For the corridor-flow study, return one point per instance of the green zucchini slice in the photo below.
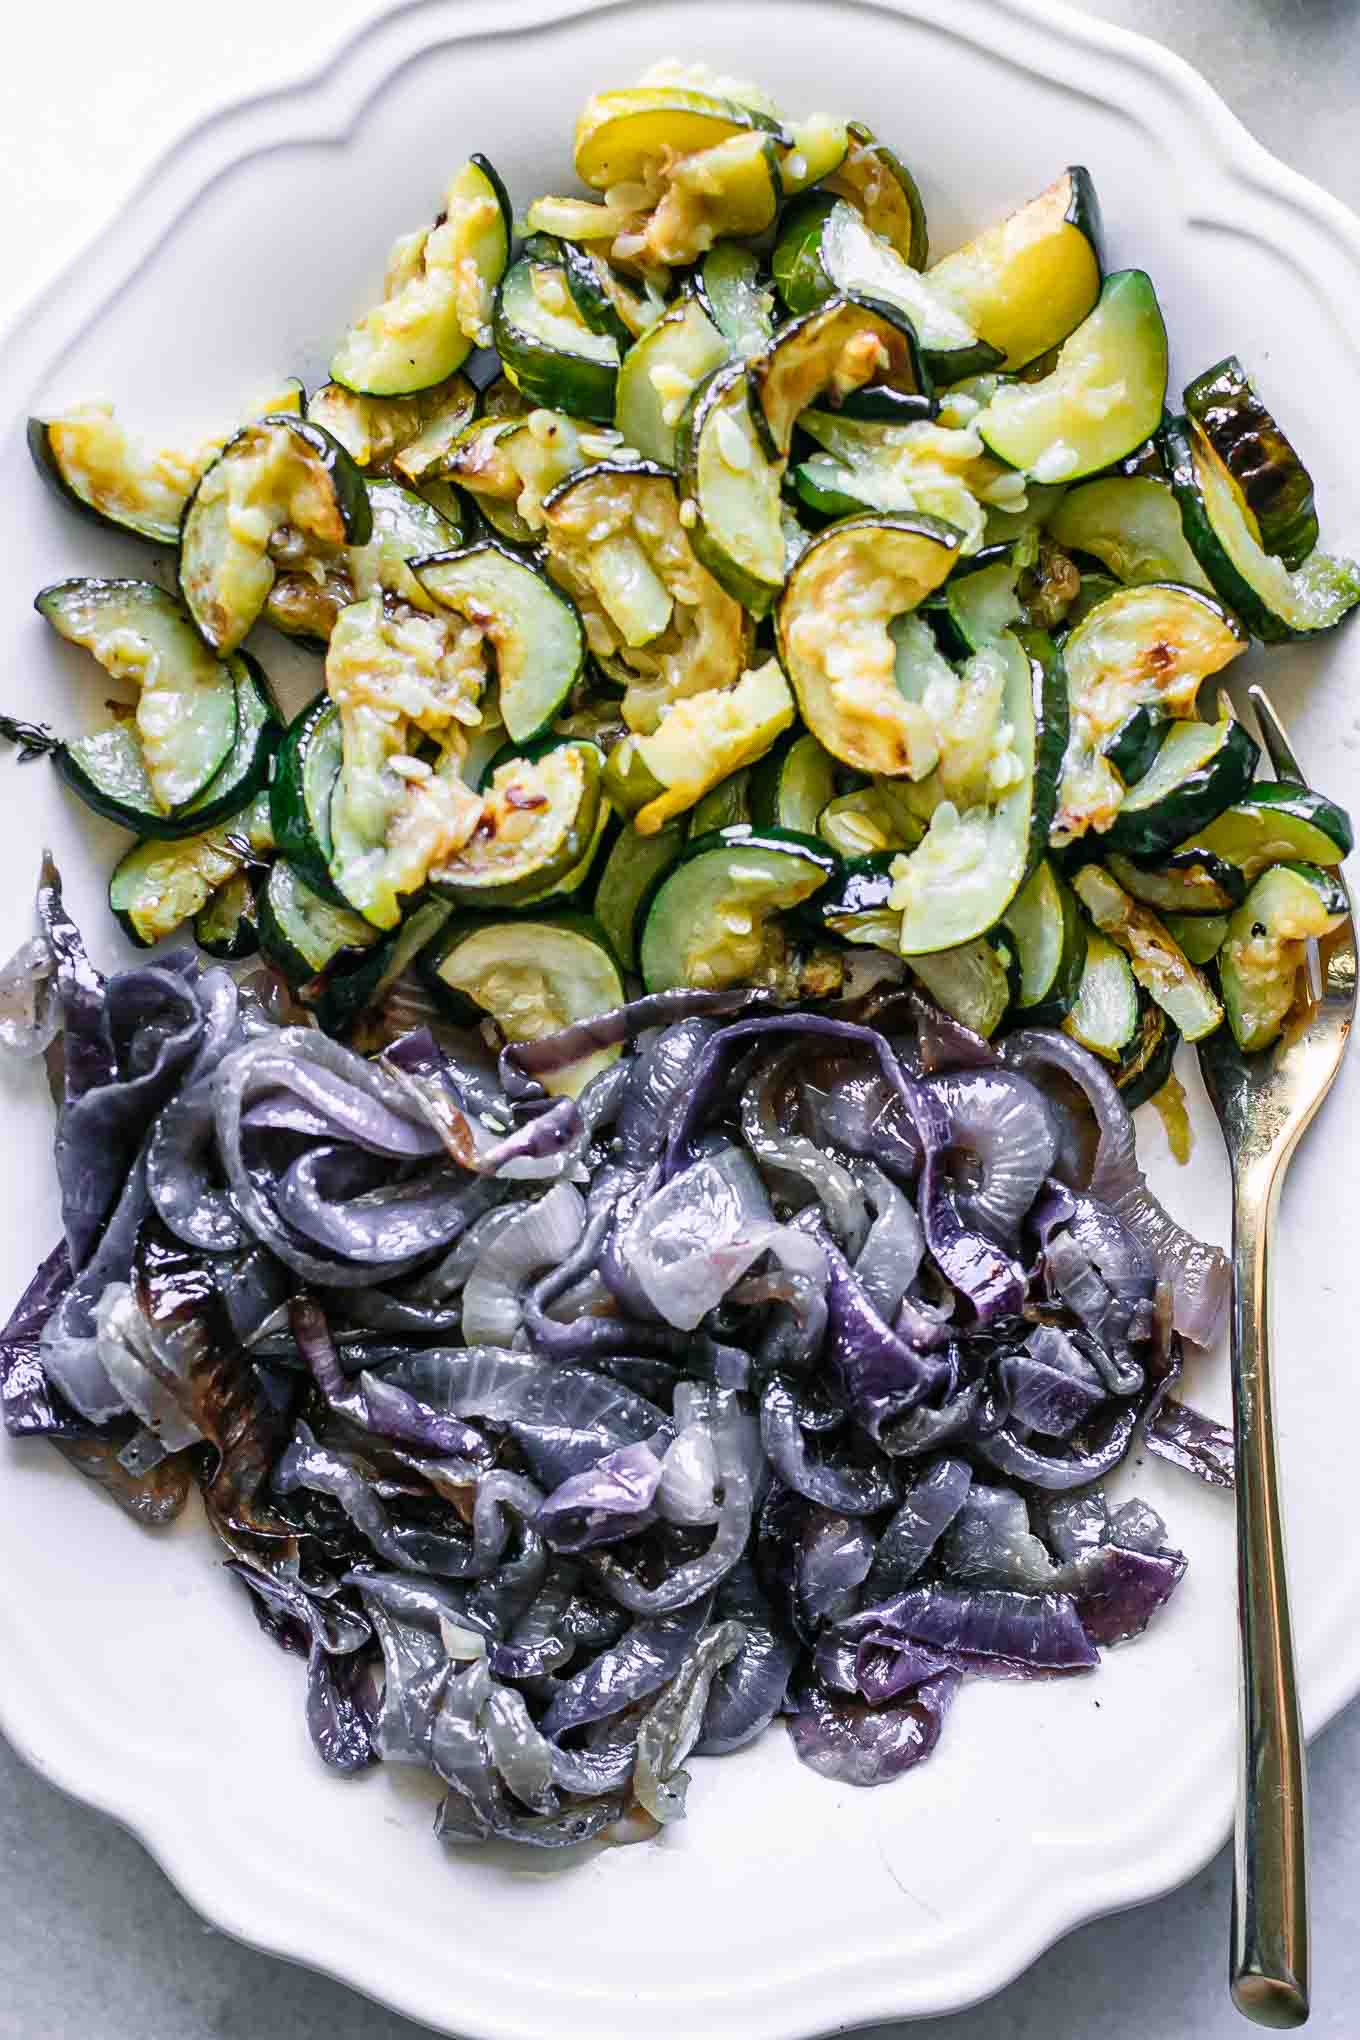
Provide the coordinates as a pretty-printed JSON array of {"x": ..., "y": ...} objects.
[
  {"x": 713, "y": 920},
  {"x": 1102, "y": 398},
  {"x": 1132, "y": 525},
  {"x": 1027, "y": 283},
  {"x": 971, "y": 982},
  {"x": 660, "y": 374},
  {"x": 1201, "y": 936},
  {"x": 1150, "y": 646},
  {"x": 621, "y": 135},
  {"x": 227, "y": 925},
  {"x": 1184, "y": 882},
  {"x": 698, "y": 743},
  {"x": 832, "y": 627},
  {"x": 726, "y": 472},
  {"x": 867, "y": 464},
  {"x": 1050, "y": 941},
  {"x": 826, "y": 249},
  {"x": 656, "y": 620},
  {"x": 606, "y": 300},
  {"x": 1266, "y": 945},
  {"x": 358, "y": 981},
  {"x": 97, "y": 468},
  {"x": 1273, "y": 602},
  {"x": 534, "y": 631},
  {"x": 534, "y": 976},
  {"x": 631, "y": 870},
  {"x": 793, "y": 784},
  {"x": 1276, "y": 822},
  {"x": 157, "y": 886},
  {"x": 547, "y": 349},
  {"x": 1275, "y": 485},
  {"x": 282, "y": 479},
  {"x": 982, "y": 600},
  {"x": 1147, "y": 1061},
  {"x": 185, "y": 717},
  {"x": 878, "y": 183},
  {"x": 306, "y": 599},
  {"x": 436, "y": 304},
  {"x": 305, "y": 772},
  {"x": 844, "y": 344},
  {"x": 959, "y": 881},
  {"x": 739, "y": 303},
  {"x": 539, "y": 819},
  {"x": 723, "y": 806},
  {"x": 1201, "y": 769},
  {"x": 856, "y": 907},
  {"x": 301, "y": 933},
  {"x": 404, "y": 436},
  {"x": 1104, "y": 1015},
  {"x": 880, "y": 817},
  {"x": 1158, "y": 964}
]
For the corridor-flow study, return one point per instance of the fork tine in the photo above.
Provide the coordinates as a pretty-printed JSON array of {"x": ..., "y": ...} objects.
[{"x": 1273, "y": 735}]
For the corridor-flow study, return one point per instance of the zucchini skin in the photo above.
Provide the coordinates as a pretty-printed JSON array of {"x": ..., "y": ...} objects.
[
  {"x": 1197, "y": 801},
  {"x": 1083, "y": 211},
  {"x": 50, "y": 468},
  {"x": 1048, "y": 694},
  {"x": 1259, "y": 456},
  {"x": 294, "y": 831}
]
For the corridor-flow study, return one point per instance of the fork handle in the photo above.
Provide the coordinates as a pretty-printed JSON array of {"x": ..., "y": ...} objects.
[{"x": 1269, "y": 1957}]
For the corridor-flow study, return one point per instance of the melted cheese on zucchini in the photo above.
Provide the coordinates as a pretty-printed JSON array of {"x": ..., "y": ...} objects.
[
  {"x": 699, "y": 741},
  {"x": 520, "y": 461}
]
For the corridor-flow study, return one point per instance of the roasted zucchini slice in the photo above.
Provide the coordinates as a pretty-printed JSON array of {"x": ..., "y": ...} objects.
[
  {"x": 826, "y": 249},
  {"x": 792, "y": 786},
  {"x": 654, "y": 616},
  {"x": 713, "y": 920},
  {"x": 282, "y": 480},
  {"x": 1183, "y": 882},
  {"x": 741, "y": 305},
  {"x": 1103, "y": 397},
  {"x": 622, "y": 135},
  {"x": 1104, "y": 1015},
  {"x": 1275, "y": 822},
  {"x": 534, "y": 976},
  {"x": 1147, "y": 1061},
  {"x": 727, "y": 473},
  {"x": 878, "y": 183},
  {"x": 1026, "y": 284},
  {"x": 837, "y": 349},
  {"x": 157, "y": 886},
  {"x": 973, "y": 983},
  {"x": 856, "y": 905},
  {"x": 305, "y": 772},
  {"x": 1050, "y": 942},
  {"x": 883, "y": 816},
  {"x": 1200, "y": 770},
  {"x": 866, "y": 464},
  {"x": 538, "y": 820},
  {"x": 96, "y": 467},
  {"x": 1273, "y": 602},
  {"x": 547, "y": 349},
  {"x": 436, "y": 304},
  {"x": 631, "y": 871},
  {"x": 1276, "y": 487},
  {"x": 974, "y": 858},
  {"x": 309, "y": 594},
  {"x": 1132, "y": 525},
  {"x": 1158, "y": 963},
  {"x": 402, "y": 436},
  {"x": 358, "y": 980},
  {"x": 696, "y": 745},
  {"x": 1266, "y": 944},
  {"x": 1201, "y": 936},
  {"x": 303, "y": 934},
  {"x": 1150, "y": 646},
  {"x": 661, "y": 373},
  {"x": 835, "y": 644},
  {"x": 533, "y": 630},
  {"x": 181, "y": 734}
]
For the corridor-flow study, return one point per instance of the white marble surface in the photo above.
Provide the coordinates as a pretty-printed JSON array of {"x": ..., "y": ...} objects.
[{"x": 94, "y": 1940}]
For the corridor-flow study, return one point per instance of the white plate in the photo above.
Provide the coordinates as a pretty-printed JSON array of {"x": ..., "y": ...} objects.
[{"x": 131, "y": 1671}]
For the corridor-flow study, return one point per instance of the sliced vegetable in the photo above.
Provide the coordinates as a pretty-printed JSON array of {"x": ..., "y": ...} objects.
[
  {"x": 1275, "y": 486},
  {"x": 741, "y": 306},
  {"x": 727, "y": 473},
  {"x": 878, "y": 183},
  {"x": 1201, "y": 769},
  {"x": 972, "y": 982},
  {"x": 282, "y": 479},
  {"x": 301, "y": 933},
  {"x": 539, "y": 819},
  {"x": 1276, "y": 823},
  {"x": 1146, "y": 1063},
  {"x": 1184, "y": 882},
  {"x": 833, "y": 351},
  {"x": 1104, "y": 1016},
  {"x": 1050, "y": 941},
  {"x": 622, "y": 135},
  {"x": 791, "y": 787},
  {"x": 1201, "y": 936},
  {"x": 307, "y": 597},
  {"x": 962, "y": 877},
  {"x": 1148, "y": 646},
  {"x": 713, "y": 920},
  {"x": 856, "y": 906},
  {"x": 436, "y": 304},
  {"x": 158, "y": 886},
  {"x": 405, "y": 436},
  {"x": 227, "y": 925},
  {"x": 534, "y": 977},
  {"x": 1132, "y": 525},
  {"x": 1266, "y": 945},
  {"x": 868, "y": 464},
  {"x": 1273, "y": 602},
  {"x": 1159, "y": 965},
  {"x": 881, "y": 816},
  {"x": 723, "y": 806},
  {"x": 826, "y": 249},
  {"x": 1103, "y": 396},
  {"x": 533, "y": 630},
  {"x": 183, "y": 726},
  {"x": 696, "y": 745},
  {"x": 1026, "y": 284},
  {"x": 547, "y": 348},
  {"x": 305, "y": 772},
  {"x": 661, "y": 373},
  {"x": 630, "y": 872},
  {"x": 834, "y": 642},
  {"x": 358, "y": 981}
]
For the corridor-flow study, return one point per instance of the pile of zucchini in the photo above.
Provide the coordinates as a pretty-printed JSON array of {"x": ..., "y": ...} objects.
[{"x": 709, "y": 584}]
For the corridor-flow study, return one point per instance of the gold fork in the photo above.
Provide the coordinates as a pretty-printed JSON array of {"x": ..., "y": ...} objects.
[{"x": 1264, "y": 1102}]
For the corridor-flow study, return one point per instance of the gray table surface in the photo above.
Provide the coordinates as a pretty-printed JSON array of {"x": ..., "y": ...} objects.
[{"x": 94, "y": 1940}]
